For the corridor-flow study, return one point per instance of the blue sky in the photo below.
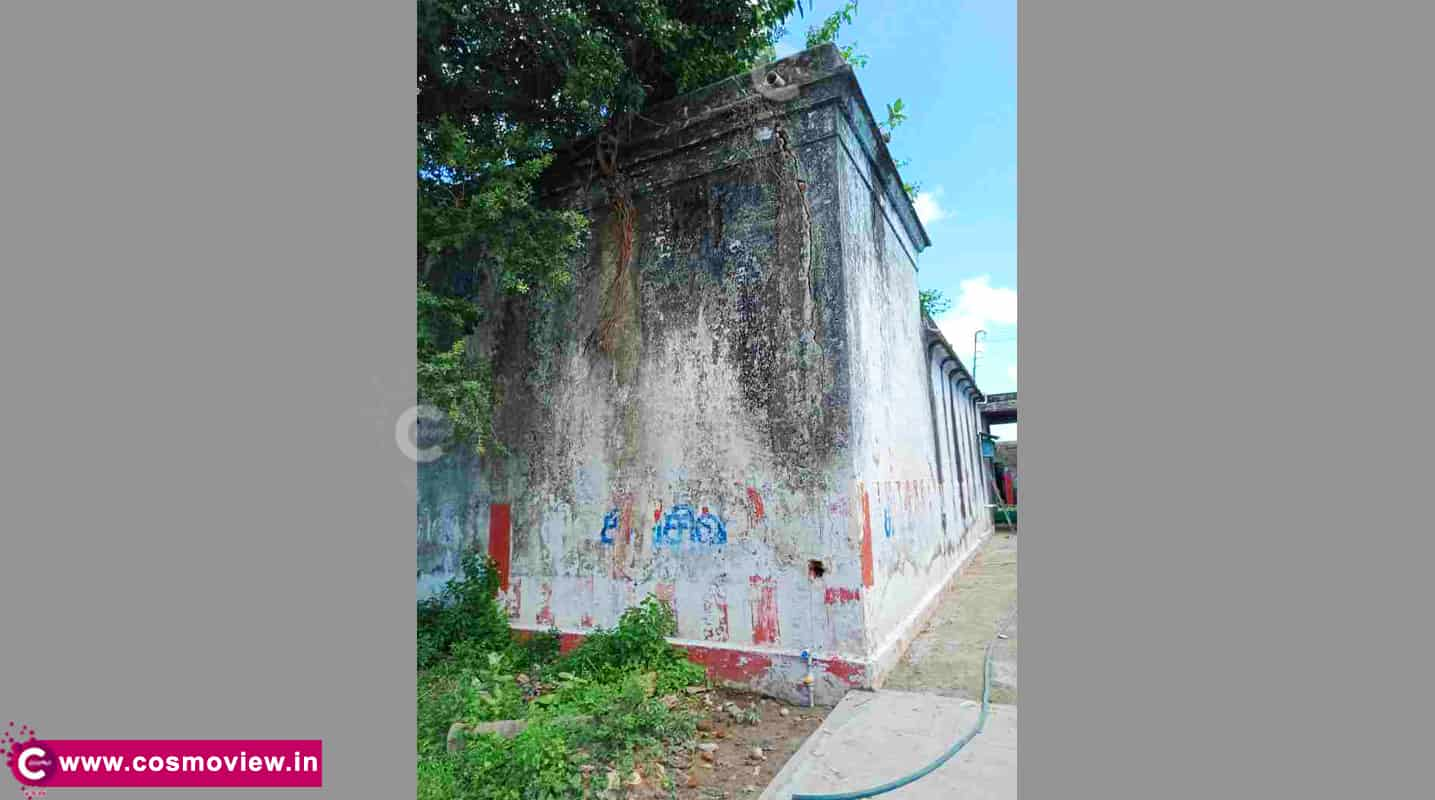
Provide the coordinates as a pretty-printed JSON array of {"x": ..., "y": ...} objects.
[{"x": 953, "y": 63}]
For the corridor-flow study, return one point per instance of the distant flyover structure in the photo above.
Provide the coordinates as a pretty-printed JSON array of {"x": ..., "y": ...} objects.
[{"x": 997, "y": 409}]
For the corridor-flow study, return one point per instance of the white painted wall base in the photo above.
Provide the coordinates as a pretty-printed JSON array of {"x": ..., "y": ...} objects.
[{"x": 883, "y": 660}]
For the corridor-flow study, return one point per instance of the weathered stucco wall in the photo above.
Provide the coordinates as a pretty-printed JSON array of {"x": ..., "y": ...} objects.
[
  {"x": 909, "y": 467},
  {"x": 732, "y": 408}
]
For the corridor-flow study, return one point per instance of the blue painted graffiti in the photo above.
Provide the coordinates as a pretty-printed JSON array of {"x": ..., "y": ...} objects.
[
  {"x": 709, "y": 530},
  {"x": 610, "y": 524},
  {"x": 681, "y": 523},
  {"x": 887, "y": 522},
  {"x": 675, "y": 526}
]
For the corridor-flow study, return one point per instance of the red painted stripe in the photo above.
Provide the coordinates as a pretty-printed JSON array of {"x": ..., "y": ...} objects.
[
  {"x": 499, "y": 525},
  {"x": 730, "y": 665},
  {"x": 568, "y": 642},
  {"x": 545, "y": 614},
  {"x": 867, "y": 577},
  {"x": 755, "y": 499},
  {"x": 841, "y": 594},
  {"x": 764, "y": 611},
  {"x": 726, "y": 664},
  {"x": 845, "y": 671}
]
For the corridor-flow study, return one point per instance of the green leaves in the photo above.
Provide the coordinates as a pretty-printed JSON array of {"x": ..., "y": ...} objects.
[
  {"x": 500, "y": 87},
  {"x": 603, "y": 701},
  {"x": 462, "y": 388},
  {"x": 827, "y": 33},
  {"x": 896, "y": 114},
  {"x": 492, "y": 692},
  {"x": 465, "y": 616},
  {"x": 933, "y": 302}
]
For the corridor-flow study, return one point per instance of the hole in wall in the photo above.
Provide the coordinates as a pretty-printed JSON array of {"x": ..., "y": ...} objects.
[{"x": 815, "y": 569}]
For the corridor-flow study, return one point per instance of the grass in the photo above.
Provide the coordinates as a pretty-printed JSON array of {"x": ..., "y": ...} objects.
[{"x": 612, "y": 706}]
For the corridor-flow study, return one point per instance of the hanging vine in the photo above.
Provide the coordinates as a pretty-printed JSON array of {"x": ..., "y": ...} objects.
[{"x": 625, "y": 222}]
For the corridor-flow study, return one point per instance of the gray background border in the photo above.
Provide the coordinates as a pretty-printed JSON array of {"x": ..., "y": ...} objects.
[
  {"x": 206, "y": 325},
  {"x": 207, "y": 320},
  {"x": 1216, "y": 596}
]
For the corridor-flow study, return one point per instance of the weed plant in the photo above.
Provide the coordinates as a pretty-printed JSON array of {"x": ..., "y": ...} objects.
[{"x": 613, "y": 703}]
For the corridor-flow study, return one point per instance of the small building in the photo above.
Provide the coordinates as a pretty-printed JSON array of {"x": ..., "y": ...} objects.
[
  {"x": 1005, "y": 473},
  {"x": 739, "y": 407}
]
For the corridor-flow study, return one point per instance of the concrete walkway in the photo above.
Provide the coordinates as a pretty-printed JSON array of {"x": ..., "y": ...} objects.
[
  {"x": 946, "y": 658},
  {"x": 931, "y": 699},
  {"x": 875, "y": 737}
]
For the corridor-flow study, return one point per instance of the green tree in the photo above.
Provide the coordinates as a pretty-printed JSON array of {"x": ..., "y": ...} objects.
[
  {"x": 933, "y": 302},
  {"x": 826, "y": 33},
  {"x": 500, "y": 86}
]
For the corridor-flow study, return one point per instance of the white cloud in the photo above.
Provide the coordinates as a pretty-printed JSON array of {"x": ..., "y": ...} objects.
[
  {"x": 978, "y": 306},
  {"x": 929, "y": 208},
  {"x": 1011, "y": 373},
  {"x": 784, "y": 49}
]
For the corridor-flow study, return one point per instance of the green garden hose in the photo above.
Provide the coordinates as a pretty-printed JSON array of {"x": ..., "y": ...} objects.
[{"x": 943, "y": 758}]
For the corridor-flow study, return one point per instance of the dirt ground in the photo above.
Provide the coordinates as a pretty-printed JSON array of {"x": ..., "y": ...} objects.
[
  {"x": 732, "y": 770},
  {"x": 947, "y": 657}
]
